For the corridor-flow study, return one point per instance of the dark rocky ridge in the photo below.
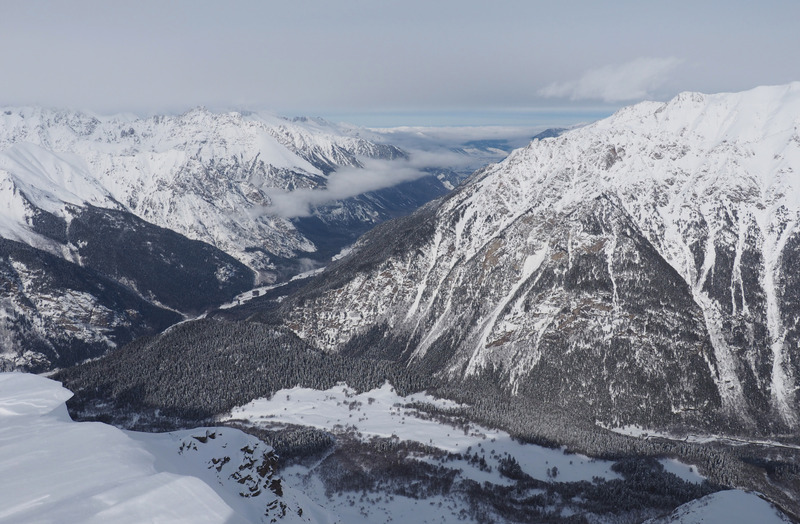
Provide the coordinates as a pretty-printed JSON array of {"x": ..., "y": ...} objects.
[
  {"x": 186, "y": 275},
  {"x": 131, "y": 279}
]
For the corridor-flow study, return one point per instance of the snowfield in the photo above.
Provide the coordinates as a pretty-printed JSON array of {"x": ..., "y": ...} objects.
[
  {"x": 725, "y": 507},
  {"x": 382, "y": 413}
]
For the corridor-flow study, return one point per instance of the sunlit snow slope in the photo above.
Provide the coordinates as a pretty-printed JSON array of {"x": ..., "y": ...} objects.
[
  {"x": 730, "y": 507},
  {"x": 53, "y": 470}
]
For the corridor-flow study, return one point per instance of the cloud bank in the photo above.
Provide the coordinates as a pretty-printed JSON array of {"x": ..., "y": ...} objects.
[
  {"x": 353, "y": 181},
  {"x": 633, "y": 80}
]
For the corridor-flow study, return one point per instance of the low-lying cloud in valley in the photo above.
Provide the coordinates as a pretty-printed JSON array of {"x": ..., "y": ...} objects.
[{"x": 348, "y": 182}]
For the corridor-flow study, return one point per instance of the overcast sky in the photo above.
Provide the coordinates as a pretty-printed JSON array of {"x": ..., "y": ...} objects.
[{"x": 385, "y": 62}]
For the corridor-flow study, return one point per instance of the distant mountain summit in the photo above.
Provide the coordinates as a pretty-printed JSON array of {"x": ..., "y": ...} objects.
[
  {"x": 641, "y": 270},
  {"x": 550, "y": 133}
]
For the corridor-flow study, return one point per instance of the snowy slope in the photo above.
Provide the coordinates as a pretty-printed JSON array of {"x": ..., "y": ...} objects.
[
  {"x": 55, "y": 470},
  {"x": 658, "y": 245},
  {"x": 382, "y": 413}
]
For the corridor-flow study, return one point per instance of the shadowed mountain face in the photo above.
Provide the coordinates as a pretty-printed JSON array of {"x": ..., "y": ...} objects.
[
  {"x": 55, "y": 313},
  {"x": 164, "y": 266},
  {"x": 118, "y": 278},
  {"x": 641, "y": 270}
]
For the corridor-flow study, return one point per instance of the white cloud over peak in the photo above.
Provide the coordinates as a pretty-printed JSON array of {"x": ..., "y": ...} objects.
[{"x": 632, "y": 80}]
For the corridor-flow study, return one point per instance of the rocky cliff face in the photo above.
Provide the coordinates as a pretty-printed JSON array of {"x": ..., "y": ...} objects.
[{"x": 641, "y": 269}]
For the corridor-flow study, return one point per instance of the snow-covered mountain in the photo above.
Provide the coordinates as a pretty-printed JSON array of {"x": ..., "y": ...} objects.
[
  {"x": 56, "y": 471},
  {"x": 209, "y": 176},
  {"x": 184, "y": 211},
  {"x": 639, "y": 270}
]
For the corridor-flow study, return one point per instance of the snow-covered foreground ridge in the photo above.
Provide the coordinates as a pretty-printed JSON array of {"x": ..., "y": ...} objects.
[
  {"x": 209, "y": 176},
  {"x": 660, "y": 243},
  {"x": 53, "y": 470},
  {"x": 727, "y": 507}
]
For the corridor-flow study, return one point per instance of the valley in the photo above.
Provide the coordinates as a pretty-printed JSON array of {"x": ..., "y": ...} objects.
[{"x": 184, "y": 212}]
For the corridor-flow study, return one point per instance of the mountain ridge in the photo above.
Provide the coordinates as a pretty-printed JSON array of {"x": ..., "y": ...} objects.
[
  {"x": 213, "y": 177},
  {"x": 707, "y": 182}
]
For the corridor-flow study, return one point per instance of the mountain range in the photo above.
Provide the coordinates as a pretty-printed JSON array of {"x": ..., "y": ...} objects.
[
  {"x": 116, "y": 227},
  {"x": 627, "y": 289}
]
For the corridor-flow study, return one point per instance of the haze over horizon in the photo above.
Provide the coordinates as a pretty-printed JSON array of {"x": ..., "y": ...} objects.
[{"x": 390, "y": 63}]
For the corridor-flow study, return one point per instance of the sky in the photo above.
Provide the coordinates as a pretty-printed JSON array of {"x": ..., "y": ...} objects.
[{"x": 387, "y": 62}]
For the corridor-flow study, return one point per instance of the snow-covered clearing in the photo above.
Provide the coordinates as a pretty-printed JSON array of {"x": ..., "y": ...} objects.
[{"x": 383, "y": 413}]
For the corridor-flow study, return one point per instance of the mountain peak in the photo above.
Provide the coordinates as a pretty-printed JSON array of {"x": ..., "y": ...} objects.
[{"x": 709, "y": 119}]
